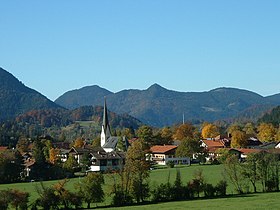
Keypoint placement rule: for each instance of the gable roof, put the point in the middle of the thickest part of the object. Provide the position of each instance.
(249, 151)
(162, 148)
(213, 143)
(111, 142)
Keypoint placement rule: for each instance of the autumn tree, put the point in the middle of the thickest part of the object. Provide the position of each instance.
(233, 127)
(96, 142)
(128, 133)
(22, 145)
(239, 139)
(19, 199)
(185, 131)
(79, 143)
(66, 197)
(209, 131)
(249, 129)
(166, 135)
(266, 132)
(54, 155)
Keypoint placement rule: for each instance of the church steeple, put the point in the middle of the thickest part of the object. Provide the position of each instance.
(105, 132)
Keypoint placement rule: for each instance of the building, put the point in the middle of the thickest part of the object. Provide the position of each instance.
(105, 157)
(108, 142)
(162, 154)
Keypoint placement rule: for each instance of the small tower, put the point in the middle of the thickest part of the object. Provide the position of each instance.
(105, 130)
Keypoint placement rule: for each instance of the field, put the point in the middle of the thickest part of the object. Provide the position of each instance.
(265, 201)
(212, 173)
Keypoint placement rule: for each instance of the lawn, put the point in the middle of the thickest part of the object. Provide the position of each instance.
(212, 174)
(252, 201)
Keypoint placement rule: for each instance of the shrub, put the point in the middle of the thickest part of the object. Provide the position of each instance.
(209, 190)
(170, 164)
(221, 188)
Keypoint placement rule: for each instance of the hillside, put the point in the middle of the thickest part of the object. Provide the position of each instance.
(16, 98)
(159, 106)
(272, 117)
(60, 118)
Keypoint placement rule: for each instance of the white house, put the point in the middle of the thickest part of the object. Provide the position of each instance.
(162, 154)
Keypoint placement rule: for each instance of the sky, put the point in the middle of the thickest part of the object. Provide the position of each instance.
(184, 45)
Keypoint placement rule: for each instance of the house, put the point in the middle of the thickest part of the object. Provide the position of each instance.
(246, 151)
(253, 142)
(162, 154)
(231, 151)
(277, 145)
(106, 161)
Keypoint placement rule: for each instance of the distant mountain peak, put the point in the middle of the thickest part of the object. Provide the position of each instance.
(156, 86)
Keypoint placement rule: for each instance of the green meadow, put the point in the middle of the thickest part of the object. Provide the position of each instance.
(212, 174)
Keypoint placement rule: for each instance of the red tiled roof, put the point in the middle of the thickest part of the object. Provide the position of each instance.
(212, 143)
(3, 149)
(249, 151)
(162, 148)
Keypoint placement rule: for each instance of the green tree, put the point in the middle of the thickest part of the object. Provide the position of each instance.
(145, 133)
(137, 168)
(48, 198)
(70, 164)
(250, 169)
(187, 148)
(233, 170)
(90, 188)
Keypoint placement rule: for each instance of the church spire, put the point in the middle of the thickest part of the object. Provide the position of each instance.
(106, 132)
(105, 115)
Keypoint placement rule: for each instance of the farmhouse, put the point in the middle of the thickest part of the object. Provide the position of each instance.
(162, 154)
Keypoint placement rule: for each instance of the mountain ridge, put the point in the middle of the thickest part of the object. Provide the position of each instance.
(16, 98)
(159, 106)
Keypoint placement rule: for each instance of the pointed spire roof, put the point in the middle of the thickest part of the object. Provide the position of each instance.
(105, 123)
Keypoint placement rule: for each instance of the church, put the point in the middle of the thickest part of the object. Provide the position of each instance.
(107, 157)
(108, 142)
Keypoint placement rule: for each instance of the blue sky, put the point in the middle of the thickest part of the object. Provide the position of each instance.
(184, 45)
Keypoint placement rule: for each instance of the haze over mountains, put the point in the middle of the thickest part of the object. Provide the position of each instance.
(155, 106)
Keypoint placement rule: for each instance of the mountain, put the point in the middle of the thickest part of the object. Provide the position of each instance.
(159, 106)
(89, 95)
(272, 117)
(16, 98)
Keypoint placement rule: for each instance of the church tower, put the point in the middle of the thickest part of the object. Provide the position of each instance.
(105, 130)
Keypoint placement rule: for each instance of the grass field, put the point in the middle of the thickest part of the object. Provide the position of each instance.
(212, 174)
(260, 201)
